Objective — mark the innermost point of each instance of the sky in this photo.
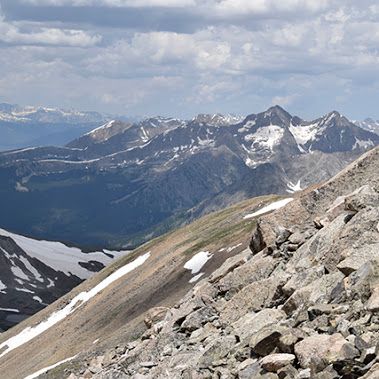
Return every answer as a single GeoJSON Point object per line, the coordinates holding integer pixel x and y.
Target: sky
{"type": "Point", "coordinates": [183, 57]}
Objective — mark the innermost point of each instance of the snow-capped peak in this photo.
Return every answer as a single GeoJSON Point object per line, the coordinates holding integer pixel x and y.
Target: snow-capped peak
{"type": "Point", "coordinates": [102, 127]}
{"type": "Point", "coordinates": [15, 113]}
{"type": "Point", "coordinates": [218, 119]}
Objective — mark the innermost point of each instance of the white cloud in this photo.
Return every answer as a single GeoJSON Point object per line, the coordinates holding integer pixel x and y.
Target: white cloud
{"type": "Point", "coordinates": [262, 7]}
{"type": "Point", "coordinates": [284, 100]}
{"type": "Point", "coordinates": [239, 53]}
{"type": "Point", "coordinates": [163, 52]}
{"type": "Point", "coordinates": [48, 36]}
{"type": "Point", "coordinates": [11, 33]}
{"type": "Point", "coordinates": [114, 3]}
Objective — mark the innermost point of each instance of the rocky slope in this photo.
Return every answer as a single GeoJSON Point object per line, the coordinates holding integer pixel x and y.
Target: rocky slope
{"type": "Point", "coordinates": [35, 273]}
{"type": "Point", "coordinates": [300, 302]}
{"type": "Point", "coordinates": [303, 302]}
{"type": "Point", "coordinates": [123, 183]}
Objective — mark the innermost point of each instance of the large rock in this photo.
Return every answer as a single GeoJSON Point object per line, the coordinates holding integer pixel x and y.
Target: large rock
{"type": "Point", "coordinates": [155, 315]}
{"type": "Point", "coordinates": [267, 339]}
{"type": "Point", "coordinates": [319, 291]}
{"type": "Point", "coordinates": [248, 369]}
{"type": "Point", "coordinates": [318, 351]}
{"type": "Point", "coordinates": [229, 265]}
{"type": "Point", "coordinates": [258, 268]}
{"type": "Point", "coordinates": [358, 257]}
{"type": "Point", "coordinates": [216, 350]}
{"type": "Point", "coordinates": [373, 301]}
{"type": "Point", "coordinates": [251, 323]}
{"type": "Point", "coordinates": [365, 196]}
{"type": "Point", "coordinates": [302, 278]}
{"type": "Point", "coordinates": [198, 318]}
{"type": "Point", "coordinates": [373, 373]}
{"type": "Point", "coordinates": [275, 362]}
{"type": "Point", "coordinates": [321, 249]}
{"type": "Point", "coordinates": [359, 284]}
{"type": "Point", "coordinates": [253, 298]}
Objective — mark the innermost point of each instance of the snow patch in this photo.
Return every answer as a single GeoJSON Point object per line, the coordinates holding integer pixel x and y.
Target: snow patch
{"type": "Point", "coordinates": [249, 162]}
{"type": "Point", "coordinates": [231, 248]}
{"type": "Point", "coordinates": [268, 208]}
{"type": "Point", "coordinates": [196, 263]}
{"type": "Point", "coordinates": [304, 133]}
{"type": "Point", "coordinates": [19, 273]}
{"type": "Point", "coordinates": [361, 144]}
{"type": "Point", "coordinates": [2, 287]}
{"type": "Point", "coordinates": [102, 127]}
{"type": "Point", "coordinates": [31, 269]}
{"type": "Point", "coordinates": [292, 188]}
{"type": "Point", "coordinates": [20, 188]}
{"type": "Point", "coordinates": [195, 278]}
{"type": "Point", "coordinates": [37, 298]}
{"type": "Point", "coordinates": [266, 137]}
{"type": "Point", "coordinates": [9, 310]}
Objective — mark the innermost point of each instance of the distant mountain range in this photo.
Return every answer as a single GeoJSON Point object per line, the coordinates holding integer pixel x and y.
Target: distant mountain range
{"type": "Point", "coordinates": [369, 124]}
{"type": "Point", "coordinates": [30, 126]}
{"type": "Point", "coordinates": [41, 126]}
{"type": "Point", "coordinates": [125, 182]}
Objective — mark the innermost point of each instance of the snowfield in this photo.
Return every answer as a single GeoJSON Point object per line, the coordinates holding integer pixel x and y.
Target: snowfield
{"type": "Point", "coordinates": [266, 137]}
{"type": "Point", "coordinates": [59, 256]}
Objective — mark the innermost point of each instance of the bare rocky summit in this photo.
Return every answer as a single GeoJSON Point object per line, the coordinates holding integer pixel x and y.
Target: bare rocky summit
{"type": "Point", "coordinates": [301, 302]}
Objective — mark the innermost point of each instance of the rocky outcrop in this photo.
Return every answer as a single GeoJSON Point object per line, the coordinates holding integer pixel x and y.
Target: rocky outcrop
{"type": "Point", "coordinates": [302, 303]}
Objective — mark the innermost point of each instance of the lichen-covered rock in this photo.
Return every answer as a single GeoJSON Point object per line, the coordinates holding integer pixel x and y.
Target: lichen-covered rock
{"type": "Point", "coordinates": [198, 318]}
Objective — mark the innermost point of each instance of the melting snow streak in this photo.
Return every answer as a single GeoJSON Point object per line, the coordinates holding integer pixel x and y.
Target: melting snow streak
{"type": "Point", "coordinates": [269, 208]}
{"type": "Point", "coordinates": [46, 369]}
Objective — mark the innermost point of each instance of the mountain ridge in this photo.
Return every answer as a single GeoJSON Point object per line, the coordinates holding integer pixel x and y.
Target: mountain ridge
{"type": "Point", "coordinates": [145, 173]}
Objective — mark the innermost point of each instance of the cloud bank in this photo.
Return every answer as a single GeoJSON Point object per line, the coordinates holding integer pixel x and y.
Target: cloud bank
{"type": "Point", "coordinates": [181, 57]}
